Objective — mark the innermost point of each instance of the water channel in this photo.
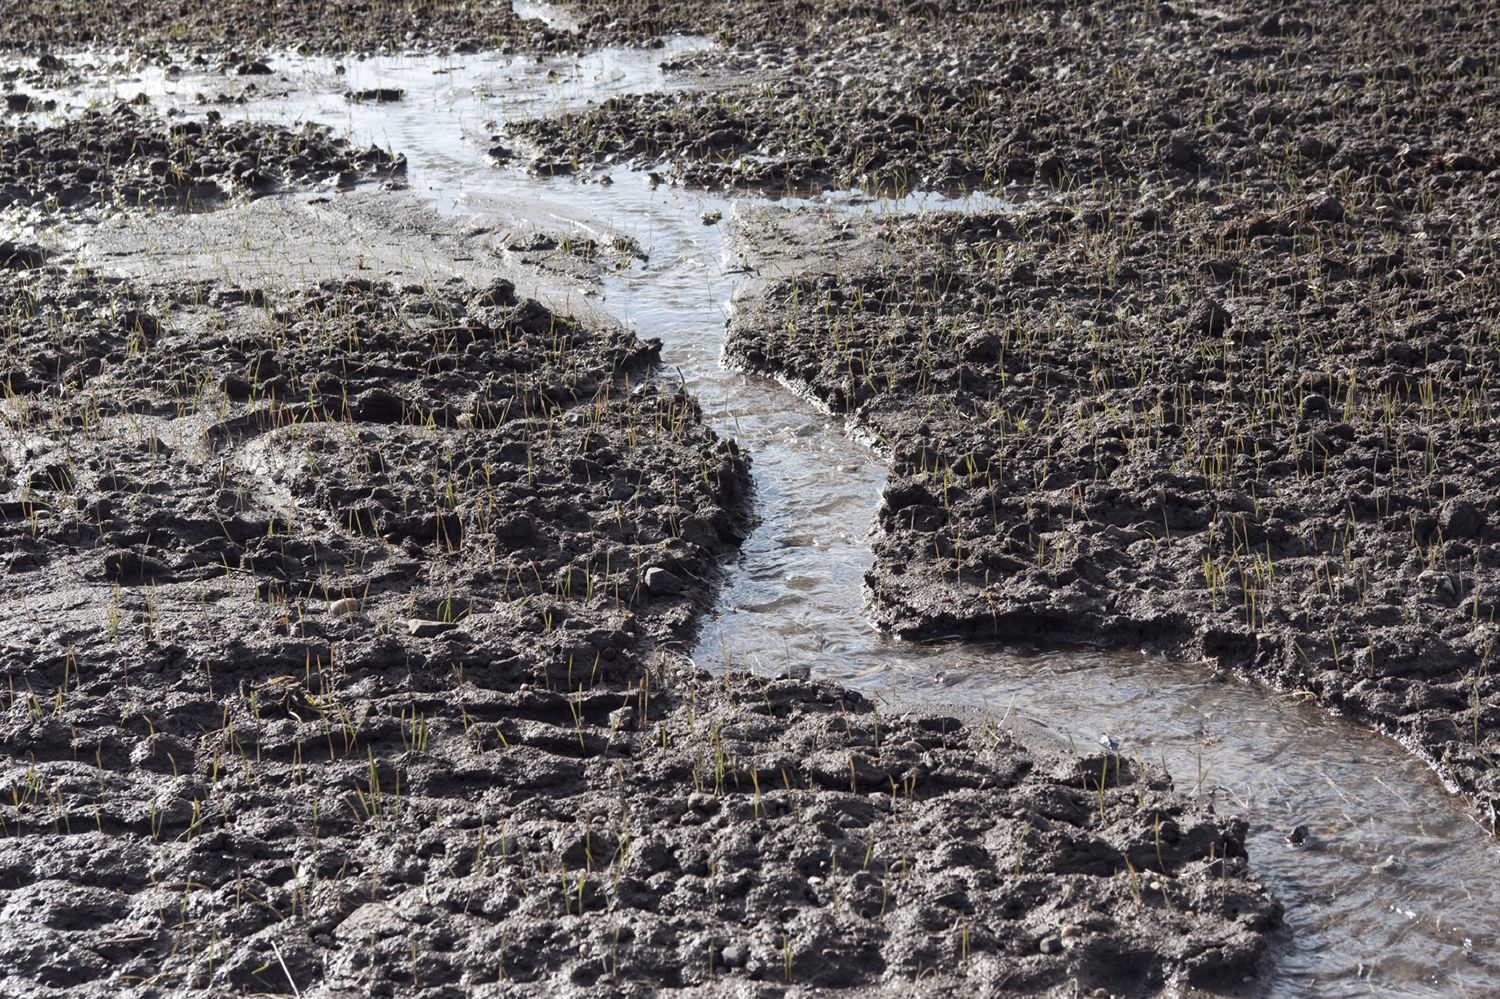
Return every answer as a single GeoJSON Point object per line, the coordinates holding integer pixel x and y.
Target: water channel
{"type": "Point", "coordinates": [1394, 892]}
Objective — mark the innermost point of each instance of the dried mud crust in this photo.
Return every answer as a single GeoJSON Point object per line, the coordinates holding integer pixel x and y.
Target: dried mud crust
{"type": "Point", "coordinates": [939, 97]}
{"type": "Point", "coordinates": [130, 159]}
{"type": "Point", "coordinates": [251, 26]}
{"type": "Point", "coordinates": [420, 834]}
{"type": "Point", "coordinates": [336, 668]}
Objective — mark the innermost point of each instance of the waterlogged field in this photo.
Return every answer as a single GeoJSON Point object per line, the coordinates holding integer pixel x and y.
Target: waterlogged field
{"type": "Point", "coordinates": [613, 498]}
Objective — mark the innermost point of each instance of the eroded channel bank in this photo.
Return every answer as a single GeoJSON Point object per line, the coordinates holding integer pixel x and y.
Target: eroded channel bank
{"type": "Point", "coordinates": [343, 570]}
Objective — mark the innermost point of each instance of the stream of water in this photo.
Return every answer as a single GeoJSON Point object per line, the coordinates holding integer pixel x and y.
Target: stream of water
{"type": "Point", "coordinates": [1395, 891]}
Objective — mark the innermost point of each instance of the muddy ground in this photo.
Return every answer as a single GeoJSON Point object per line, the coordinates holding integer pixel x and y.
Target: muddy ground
{"type": "Point", "coordinates": [126, 157]}
{"type": "Point", "coordinates": [1221, 384]}
{"type": "Point", "coordinates": [237, 31]}
{"type": "Point", "coordinates": [342, 651]}
{"type": "Point", "coordinates": [338, 666]}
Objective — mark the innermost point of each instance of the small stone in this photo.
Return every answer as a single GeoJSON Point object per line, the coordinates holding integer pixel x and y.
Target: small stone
{"type": "Point", "coordinates": [428, 629]}
{"type": "Point", "coordinates": [735, 955]}
{"type": "Point", "coordinates": [347, 607]}
{"type": "Point", "coordinates": [712, 218]}
{"type": "Point", "coordinates": [1298, 836]}
{"type": "Point", "coordinates": [1390, 865]}
{"type": "Point", "coordinates": [661, 581]}
{"type": "Point", "coordinates": [1051, 945]}
{"type": "Point", "coordinates": [1460, 519]}
{"type": "Point", "coordinates": [622, 718]}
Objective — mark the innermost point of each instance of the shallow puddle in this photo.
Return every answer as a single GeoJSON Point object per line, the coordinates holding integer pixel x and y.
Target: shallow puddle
{"type": "Point", "coordinates": [1394, 890]}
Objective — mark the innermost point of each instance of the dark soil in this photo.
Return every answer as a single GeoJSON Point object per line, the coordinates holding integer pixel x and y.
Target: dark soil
{"type": "Point", "coordinates": [336, 652]}
{"type": "Point", "coordinates": [690, 830]}
{"type": "Point", "coordinates": [129, 158]}
{"type": "Point", "coordinates": [1222, 386]}
{"type": "Point", "coordinates": [1248, 417]}
{"type": "Point", "coordinates": [1398, 98]}
{"type": "Point", "coordinates": [258, 26]}
{"type": "Point", "coordinates": [340, 653]}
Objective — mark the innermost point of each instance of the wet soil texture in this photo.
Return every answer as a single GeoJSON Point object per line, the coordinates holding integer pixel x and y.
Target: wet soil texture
{"type": "Point", "coordinates": [332, 668]}
{"type": "Point", "coordinates": [1229, 395]}
{"type": "Point", "coordinates": [338, 653]}
{"type": "Point", "coordinates": [242, 29]}
{"type": "Point", "coordinates": [1395, 103]}
{"type": "Point", "coordinates": [123, 157]}
{"type": "Point", "coordinates": [1221, 386]}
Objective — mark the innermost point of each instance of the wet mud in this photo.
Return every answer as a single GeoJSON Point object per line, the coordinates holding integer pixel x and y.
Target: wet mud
{"type": "Point", "coordinates": [123, 157]}
{"type": "Point", "coordinates": [347, 613]}
{"type": "Point", "coordinates": [341, 613]}
{"type": "Point", "coordinates": [1230, 401]}
{"type": "Point", "coordinates": [1218, 386]}
{"type": "Point", "coordinates": [239, 31]}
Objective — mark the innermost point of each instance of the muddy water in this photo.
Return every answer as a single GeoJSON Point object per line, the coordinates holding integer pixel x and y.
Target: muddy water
{"type": "Point", "coordinates": [1394, 891]}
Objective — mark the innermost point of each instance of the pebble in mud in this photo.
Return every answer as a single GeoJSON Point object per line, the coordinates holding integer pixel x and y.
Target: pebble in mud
{"type": "Point", "coordinates": [429, 629]}
{"type": "Point", "coordinates": [663, 581]}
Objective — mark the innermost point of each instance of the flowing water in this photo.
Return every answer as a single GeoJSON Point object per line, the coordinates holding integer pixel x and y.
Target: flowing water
{"type": "Point", "coordinates": [1395, 890]}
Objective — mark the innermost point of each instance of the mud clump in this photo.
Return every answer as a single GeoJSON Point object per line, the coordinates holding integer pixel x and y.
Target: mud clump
{"type": "Point", "coordinates": [124, 157]}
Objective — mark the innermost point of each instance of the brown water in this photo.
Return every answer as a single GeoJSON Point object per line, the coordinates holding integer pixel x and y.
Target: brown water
{"type": "Point", "coordinates": [1395, 892]}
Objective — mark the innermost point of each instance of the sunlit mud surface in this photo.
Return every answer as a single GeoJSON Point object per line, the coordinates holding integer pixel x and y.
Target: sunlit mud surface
{"type": "Point", "coordinates": [1392, 892]}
